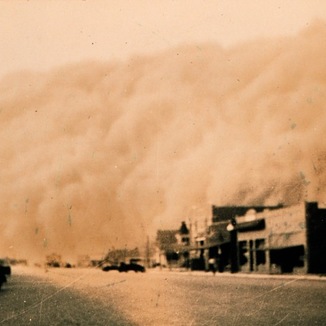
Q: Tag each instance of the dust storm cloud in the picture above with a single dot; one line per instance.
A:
(97, 155)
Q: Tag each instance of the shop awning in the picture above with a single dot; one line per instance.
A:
(254, 225)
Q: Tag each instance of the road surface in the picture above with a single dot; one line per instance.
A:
(92, 297)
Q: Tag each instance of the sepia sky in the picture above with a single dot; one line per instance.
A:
(38, 35)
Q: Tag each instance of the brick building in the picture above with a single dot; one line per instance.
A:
(284, 240)
(273, 239)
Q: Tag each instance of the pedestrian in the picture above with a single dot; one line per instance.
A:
(212, 265)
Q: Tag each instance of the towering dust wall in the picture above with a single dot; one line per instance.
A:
(96, 154)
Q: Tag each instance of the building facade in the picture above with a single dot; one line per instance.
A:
(173, 247)
(272, 239)
(285, 240)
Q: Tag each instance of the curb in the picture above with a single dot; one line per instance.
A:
(243, 275)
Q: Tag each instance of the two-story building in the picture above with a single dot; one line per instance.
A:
(273, 239)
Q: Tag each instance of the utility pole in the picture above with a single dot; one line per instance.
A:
(234, 252)
(147, 252)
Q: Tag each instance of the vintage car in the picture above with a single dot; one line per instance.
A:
(5, 270)
(131, 267)
(3, 279)
(110, 267)
(5, 267)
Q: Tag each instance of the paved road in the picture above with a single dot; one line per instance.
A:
(93, 297)
(30, 300)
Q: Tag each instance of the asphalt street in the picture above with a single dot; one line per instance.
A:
(93, 297)
(30, 300)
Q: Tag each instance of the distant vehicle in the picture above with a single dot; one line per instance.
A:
(5, 267)
(110, 267)
(131, 267)
(3, 278)
(5, 270)
(53, 264)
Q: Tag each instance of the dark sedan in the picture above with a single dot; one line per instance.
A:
(131, 267)
(5, 270)
(5, 267)
(107, 268)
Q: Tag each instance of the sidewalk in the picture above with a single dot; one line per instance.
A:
(312, 277)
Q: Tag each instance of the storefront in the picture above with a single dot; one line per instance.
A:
(283, 243)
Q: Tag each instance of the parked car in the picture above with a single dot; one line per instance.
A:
(5, 267)
(3, 278)
(131, 267)
(5, 270)
(110, 267)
